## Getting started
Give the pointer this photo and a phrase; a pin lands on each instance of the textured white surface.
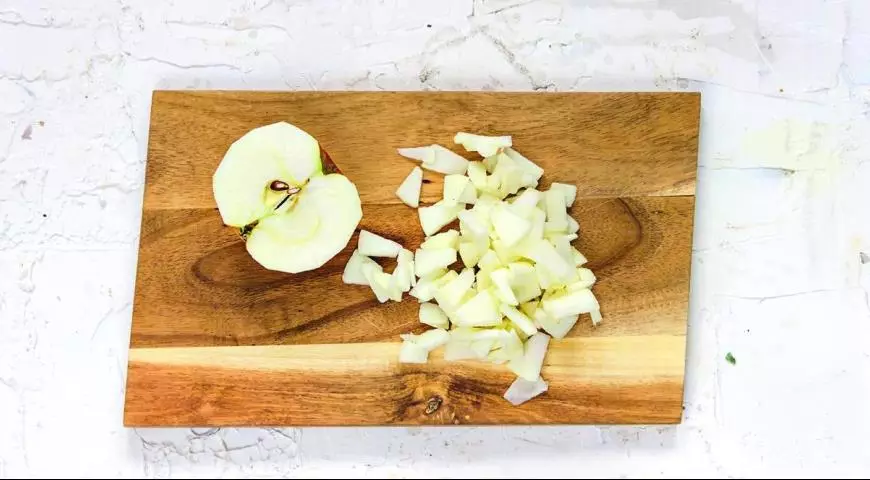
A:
(782, 219)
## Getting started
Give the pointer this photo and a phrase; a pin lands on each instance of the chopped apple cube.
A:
(436, 158)
(587, 279)
(522, 390)
(450, 295)
(428, 261)
(557, 327)
(570, 303)
(480, 311)
(529, 309)
(470, 253)
(374, 245)
(409, 191)
(381, 284)
(524, 281)
(557, 219)
(448, 239)
(546, 256)
(354, 273)
(420, 154)
(481, 348)
(477, 174)
(458, 188)
(433, 315)
(532, 172)
(569, 192)
(525, 202)
(472, 223)
(489, 261)
(438, 216)
(484, 145)
(510, 227)
(519, 319)
(529, 365)
(459, 350)
(596, 317)
(413, 353)
(430, 339)
(579, 258)
(501, 280)
(403, 275)
(429, 284)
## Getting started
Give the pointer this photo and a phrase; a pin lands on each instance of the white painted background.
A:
(782, 219)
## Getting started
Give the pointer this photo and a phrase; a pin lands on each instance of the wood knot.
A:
(433, 404)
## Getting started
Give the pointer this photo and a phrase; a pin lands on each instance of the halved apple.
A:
(271, 185)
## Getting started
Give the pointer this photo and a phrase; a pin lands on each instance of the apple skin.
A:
(328, 165)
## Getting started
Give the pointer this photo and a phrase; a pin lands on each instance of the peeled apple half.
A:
(271, 185)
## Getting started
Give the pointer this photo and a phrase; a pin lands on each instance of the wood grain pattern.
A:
(218, 340)
(603, 380)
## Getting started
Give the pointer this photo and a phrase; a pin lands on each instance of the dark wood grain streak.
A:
(621, 238)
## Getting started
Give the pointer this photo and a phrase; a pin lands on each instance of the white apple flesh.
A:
(409, 191)
(312, 231)
(374, 245)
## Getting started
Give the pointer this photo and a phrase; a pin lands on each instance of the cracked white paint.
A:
(777, 273)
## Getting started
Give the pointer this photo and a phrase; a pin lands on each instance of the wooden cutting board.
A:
(218, 340)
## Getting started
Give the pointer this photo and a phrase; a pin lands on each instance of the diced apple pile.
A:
(521, 281)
